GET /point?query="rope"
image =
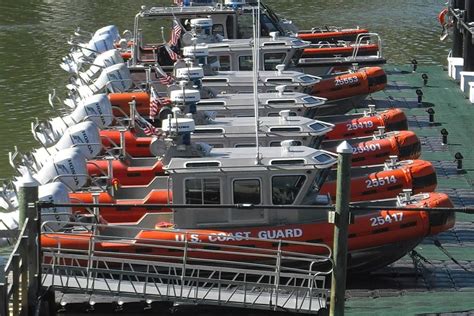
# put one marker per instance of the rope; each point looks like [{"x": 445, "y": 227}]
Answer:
[{"x": 438, "y": 244}]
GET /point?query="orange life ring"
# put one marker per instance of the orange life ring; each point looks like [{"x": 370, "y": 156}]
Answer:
[{"x": 442, "y": 18}]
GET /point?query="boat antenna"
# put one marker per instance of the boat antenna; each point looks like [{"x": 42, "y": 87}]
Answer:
[{"x": 256, "y": 62}]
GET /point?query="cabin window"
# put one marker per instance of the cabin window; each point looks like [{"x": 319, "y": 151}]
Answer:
[
  {"x": 271, "y": 60},
  {"x": 209, "y": 131},
  {"x": 245, "y": 63},
  {"x": 289, "y": 80},
  {"x": 210, "y": 103},
  {"x": 245, "y": 26},
  {"x": 285, "y": 129},
  {"x": 217, "y": 145},
  {"x": 202, "y": 191},
  {"x": 281, "y": 101},
  {"x": 278, "y": 144},
  {"x": 224, "y": 62},
  {"x": 230, "y": 26},
  {"x": 218, "y": 29},
  {"x": 247, "y": 191},
  {"x": 285, "y": 189},
  {"x": 267, "y": 25},
  {"x": 244, "y": 145},
  {"x": 275, "y": 114}
]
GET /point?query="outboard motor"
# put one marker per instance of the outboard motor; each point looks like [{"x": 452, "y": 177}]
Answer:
[
  {"x": 178, "y": 140},
  {"x": 55, "y": 192},
  {"x": 96, "y": 108},
  {"x": 199, "y": 53},
  {"x": 186, "y": 100},
  {"x": 192, "y": 74},
  {"x": 202, "y": 29},
  {"x": 67, "y": 166},
  {"x": 97, "y": 45},
  {"x": 110, "y": 30},
  {"x": 85, "y": 136},
  {"x": 114, "y": 79},
  {"x": 104, "y": 60},
  {"x": 234, "y": 4}
]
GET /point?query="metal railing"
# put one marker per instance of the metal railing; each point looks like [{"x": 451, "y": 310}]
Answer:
[
  {"x": 188, "y": 267},
  {"x": 15, "y": 280}
]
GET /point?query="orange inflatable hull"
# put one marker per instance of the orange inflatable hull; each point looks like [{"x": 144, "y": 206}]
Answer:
[
  {"x": 417, "y": 175},
  {"x": 322, "y": 52},
  {"x": 391, "y": 120},
  {"x": 362, "y": 82},
  {"x": 121, "y": 211},
  {"x": 369, "y": 230},
  {"x": 343, "y": 35},
  {"x": 404, "y": 144}
]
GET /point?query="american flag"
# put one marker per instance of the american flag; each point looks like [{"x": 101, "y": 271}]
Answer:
[
  {"x": 163, "y": 77},
  {"x": 155, "y": 103},
  {"x": 150, "y": 130},
  {"x": 147, "y": 128},
  {"x": 175, "y": 34},
  {"x": 171, "y": 52},
  {"x": 166, "y": 79}
]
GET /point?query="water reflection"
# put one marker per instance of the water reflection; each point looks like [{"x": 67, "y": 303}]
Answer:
[{"x": 33, "y": 37}]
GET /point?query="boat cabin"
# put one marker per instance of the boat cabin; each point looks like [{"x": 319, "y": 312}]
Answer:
[
  {"x": 270, "y": 104},
  {"x": 289, "y": 175},
  {"x": 240, "y": 132}
]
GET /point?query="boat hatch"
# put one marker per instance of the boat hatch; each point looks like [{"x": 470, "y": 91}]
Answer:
[
  {"x": 287, "y": 162},
  {"x": 323, "y": 158},
  {"x": 312, "y": 100},
  {"x": 308, "y": 78},
  {"x": 202, "y": 164},
  {"x": 299, "y": 43},
  {"x": 318, "y": 127},
  {"x": 286, "y": 129}
]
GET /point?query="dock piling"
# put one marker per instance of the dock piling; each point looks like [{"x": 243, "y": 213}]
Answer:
[
  {"x": 3, "y": 290},
  {"x": 468, "y": 47},
  {"x": 341, "y": 227},
  {"x": 457, "y": 50},
  {"x": 27, "y": 197}
]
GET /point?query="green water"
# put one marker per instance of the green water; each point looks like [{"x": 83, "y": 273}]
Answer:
[{"x": 33, "y": 37}]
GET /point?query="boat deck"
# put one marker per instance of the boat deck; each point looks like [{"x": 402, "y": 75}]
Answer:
[{"x": 429, "y": 282}]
